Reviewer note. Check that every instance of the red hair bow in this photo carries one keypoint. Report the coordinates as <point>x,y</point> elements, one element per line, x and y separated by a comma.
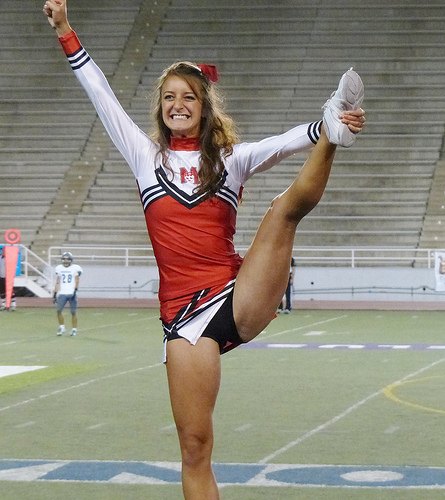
<point>210,71</point>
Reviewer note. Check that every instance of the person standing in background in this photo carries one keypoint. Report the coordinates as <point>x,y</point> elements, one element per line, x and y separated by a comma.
<point>65,291</point>
<point>286,304</point>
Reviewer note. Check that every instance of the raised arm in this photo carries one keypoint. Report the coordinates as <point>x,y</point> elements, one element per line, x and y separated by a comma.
<point>129,139</point>
<point>56,12</point>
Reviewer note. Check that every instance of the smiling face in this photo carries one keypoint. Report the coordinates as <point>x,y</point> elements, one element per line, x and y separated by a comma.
<point>181,108</point>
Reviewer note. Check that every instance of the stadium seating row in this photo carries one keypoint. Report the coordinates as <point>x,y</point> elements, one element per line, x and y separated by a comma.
<point>279,62</point>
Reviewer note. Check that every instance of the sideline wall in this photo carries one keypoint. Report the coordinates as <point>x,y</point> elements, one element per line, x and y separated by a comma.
<point>310,283</point>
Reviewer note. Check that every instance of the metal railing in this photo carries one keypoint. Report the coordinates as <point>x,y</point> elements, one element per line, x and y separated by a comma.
<point>120,255</point>
<point>306,256</point>
<point>35,268</point>
<point>41,271</point>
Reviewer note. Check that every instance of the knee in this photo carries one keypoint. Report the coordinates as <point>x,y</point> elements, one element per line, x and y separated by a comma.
<point>293,208</point>
<point>281,208</point>
<point>278,207</point>
<point>196,448</point>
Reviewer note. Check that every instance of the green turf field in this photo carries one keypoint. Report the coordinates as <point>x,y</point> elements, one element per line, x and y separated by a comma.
<point>355,395</point>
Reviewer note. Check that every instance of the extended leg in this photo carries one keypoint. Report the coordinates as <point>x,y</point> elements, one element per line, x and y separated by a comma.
<point>264,274</point>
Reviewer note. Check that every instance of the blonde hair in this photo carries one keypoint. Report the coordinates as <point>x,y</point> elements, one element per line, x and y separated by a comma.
<point>218,133</point>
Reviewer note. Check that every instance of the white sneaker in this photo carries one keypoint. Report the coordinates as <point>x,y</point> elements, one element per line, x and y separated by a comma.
<point>73,332</point>
<point>60,331</point>
<point>348,96</point>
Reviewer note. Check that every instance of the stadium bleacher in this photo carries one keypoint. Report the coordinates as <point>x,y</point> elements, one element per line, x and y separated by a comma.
<point>45,118</point>
<point>278,62</point>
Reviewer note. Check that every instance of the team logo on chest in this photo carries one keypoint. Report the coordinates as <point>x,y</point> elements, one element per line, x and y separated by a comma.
<point>189,176</point>
<point>182,191</point>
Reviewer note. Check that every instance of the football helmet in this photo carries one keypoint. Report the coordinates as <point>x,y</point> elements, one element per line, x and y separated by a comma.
<point>67,258</point>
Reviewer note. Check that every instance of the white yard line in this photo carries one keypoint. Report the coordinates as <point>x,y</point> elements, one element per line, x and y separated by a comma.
<point>303,327</point>
<point>77,386</point>
<point>93,328</point>
<point>340,416</point>
<point>6,371</point>
<point>119,324</point>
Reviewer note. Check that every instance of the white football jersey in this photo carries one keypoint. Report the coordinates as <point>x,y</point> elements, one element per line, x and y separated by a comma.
<point>67,278</point>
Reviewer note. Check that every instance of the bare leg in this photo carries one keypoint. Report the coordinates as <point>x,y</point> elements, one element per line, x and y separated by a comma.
<point>264,274</point>
<point>194,374</point>
<point>60,318</point>
<point>74,320</point>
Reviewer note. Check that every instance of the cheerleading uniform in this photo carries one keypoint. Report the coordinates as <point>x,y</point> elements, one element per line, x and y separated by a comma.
<point>191,234</point>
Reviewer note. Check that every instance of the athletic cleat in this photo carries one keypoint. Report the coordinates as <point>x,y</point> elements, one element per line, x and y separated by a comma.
<point>73,332</point>
<point>60,331</point>
<point>348,96</point>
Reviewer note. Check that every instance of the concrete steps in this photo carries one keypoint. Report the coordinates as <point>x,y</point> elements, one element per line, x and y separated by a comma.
<point>278,63</point>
